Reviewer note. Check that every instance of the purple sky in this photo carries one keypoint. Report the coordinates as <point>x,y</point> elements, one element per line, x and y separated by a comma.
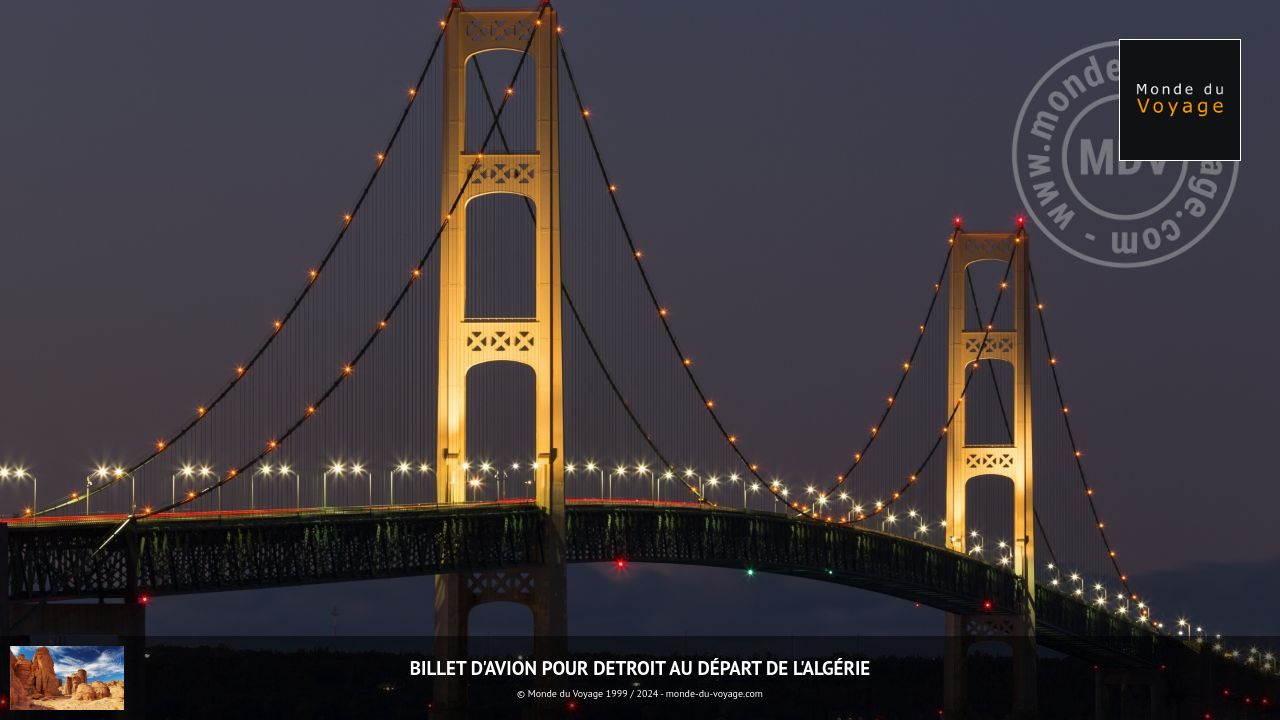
<point>148,148</point>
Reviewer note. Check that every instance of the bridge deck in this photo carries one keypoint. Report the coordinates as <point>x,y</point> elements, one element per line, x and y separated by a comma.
<point>199,552</point>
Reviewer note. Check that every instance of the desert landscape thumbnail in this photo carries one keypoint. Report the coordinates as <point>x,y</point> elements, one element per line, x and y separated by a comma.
<point>66,677</point>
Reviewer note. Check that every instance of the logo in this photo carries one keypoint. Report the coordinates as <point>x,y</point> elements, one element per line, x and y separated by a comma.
<point>1075,188</point>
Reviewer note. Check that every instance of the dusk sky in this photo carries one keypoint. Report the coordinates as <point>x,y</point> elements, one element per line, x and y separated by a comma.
<point>167,169</point>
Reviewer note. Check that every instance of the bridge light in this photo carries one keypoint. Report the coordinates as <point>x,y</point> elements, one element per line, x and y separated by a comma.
<point>403,467</point>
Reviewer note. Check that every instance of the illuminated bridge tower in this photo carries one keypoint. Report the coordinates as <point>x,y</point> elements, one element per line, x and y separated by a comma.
<point>466,342</point>
<point>966,461</point>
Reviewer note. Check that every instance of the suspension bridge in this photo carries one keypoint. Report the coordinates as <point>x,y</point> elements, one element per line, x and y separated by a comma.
<point>488,248</point>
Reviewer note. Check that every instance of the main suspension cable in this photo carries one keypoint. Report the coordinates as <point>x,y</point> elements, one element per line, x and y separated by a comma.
<point>1066,419</point>
<point>1018,238</point>
<point>1008,426</point>
<point>348,369</point>
<point>577,317</point>
<point>313,275</point>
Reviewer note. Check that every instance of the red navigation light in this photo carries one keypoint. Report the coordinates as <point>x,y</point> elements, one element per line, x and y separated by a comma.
<point>1021,221</point>
<point>144,599</point>
<point>956,221</point>
<point>620,563</point>
<point>571,706</point>
<point>987,605</point>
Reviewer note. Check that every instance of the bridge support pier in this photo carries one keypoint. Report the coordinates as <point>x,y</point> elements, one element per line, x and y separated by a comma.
<point>542,588</point>
<point>962,632</point>
<point>1123,694</point>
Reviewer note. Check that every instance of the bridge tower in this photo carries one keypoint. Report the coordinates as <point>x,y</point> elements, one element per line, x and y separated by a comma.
<point>966,461</point>
<point>466,342</point>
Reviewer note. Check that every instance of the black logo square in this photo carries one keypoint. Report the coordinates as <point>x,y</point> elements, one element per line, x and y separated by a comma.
<point>1179,100</point>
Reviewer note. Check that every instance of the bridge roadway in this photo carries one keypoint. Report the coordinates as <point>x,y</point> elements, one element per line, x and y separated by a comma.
<point>200,552</point>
